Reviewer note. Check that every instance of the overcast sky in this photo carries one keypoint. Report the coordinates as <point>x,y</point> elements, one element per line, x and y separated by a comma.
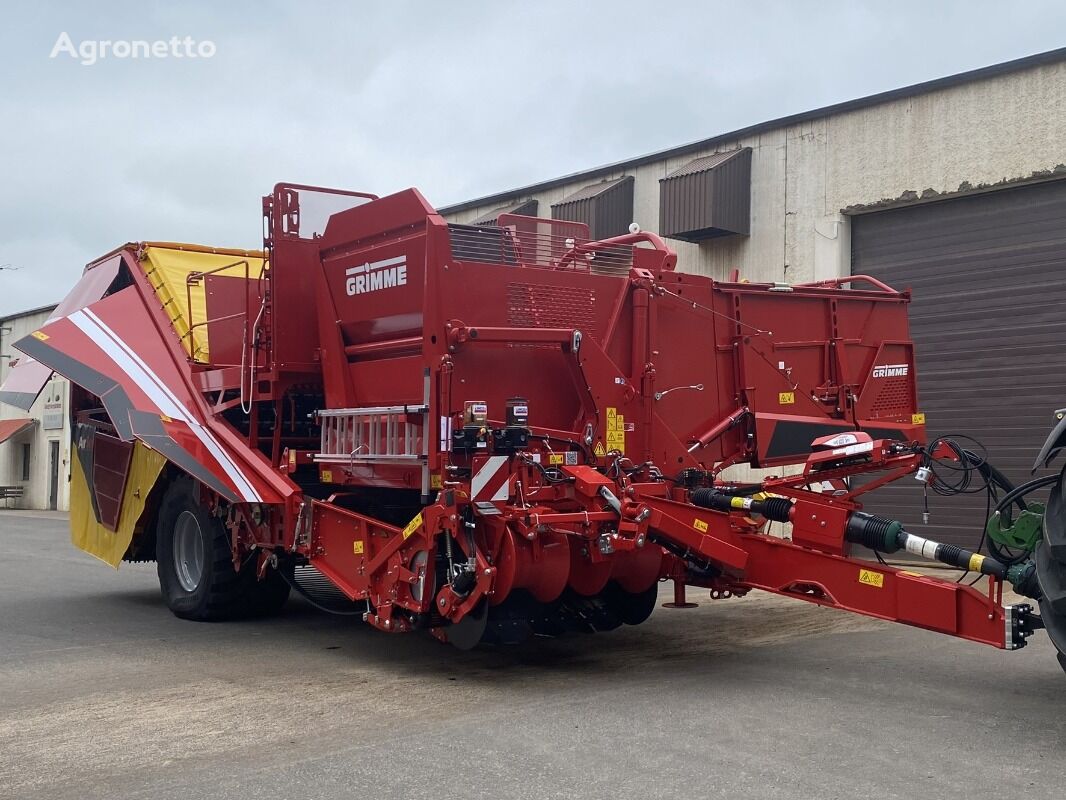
<point>459,99</point>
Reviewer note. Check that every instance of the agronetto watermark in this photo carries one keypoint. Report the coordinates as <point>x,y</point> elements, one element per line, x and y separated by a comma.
<point>91,51</point>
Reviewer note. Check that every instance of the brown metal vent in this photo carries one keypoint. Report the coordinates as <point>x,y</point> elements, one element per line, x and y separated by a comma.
<point>707,197</point>
<point>606,207</point>
<point>527,208</point>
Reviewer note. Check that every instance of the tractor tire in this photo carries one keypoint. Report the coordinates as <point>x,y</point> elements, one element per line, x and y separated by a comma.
<point>194,560</point>
<point>1050,558</point>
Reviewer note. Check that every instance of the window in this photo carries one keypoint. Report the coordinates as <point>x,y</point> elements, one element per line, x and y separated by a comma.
<point>25,462</point>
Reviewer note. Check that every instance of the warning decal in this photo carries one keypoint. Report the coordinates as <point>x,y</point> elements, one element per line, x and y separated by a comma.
<point>616,430</point>
<point>413,526</point>
<point>871,578</point>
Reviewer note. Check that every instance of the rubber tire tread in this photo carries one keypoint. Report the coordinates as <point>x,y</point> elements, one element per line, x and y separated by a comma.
<point>1050,559</point>
<point>222,593</point>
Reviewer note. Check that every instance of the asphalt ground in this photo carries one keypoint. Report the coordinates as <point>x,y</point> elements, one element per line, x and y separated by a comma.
<point>104,694</point>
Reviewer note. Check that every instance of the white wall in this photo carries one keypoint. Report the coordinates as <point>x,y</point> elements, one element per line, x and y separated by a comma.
<point>804,176</point>
<point>35,491</point>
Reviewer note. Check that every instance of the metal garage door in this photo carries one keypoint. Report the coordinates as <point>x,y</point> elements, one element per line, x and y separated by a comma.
<point>988,318</point>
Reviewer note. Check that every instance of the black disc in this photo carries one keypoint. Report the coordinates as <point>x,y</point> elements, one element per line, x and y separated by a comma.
<point>632,608</point>
<point>467,633</point>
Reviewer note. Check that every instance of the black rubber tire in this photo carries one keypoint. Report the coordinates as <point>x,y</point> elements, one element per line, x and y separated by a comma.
<point>1050,558</point>
<point>221,591</point>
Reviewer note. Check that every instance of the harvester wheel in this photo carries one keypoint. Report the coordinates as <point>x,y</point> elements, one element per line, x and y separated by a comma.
<point>194,562</point>
<point>1050,558</point>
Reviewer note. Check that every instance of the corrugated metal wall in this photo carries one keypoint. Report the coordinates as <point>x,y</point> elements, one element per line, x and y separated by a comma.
<point>988,319</point>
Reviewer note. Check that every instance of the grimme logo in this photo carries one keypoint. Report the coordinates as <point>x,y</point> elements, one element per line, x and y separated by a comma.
<point>376,275</point>
<point>891,371</point>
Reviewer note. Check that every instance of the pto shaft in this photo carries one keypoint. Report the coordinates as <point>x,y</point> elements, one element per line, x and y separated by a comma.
<point>888,536</point>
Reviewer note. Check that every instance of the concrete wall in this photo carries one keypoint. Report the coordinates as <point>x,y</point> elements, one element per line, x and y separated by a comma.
<point>36,489</point>
<point>807,177</point>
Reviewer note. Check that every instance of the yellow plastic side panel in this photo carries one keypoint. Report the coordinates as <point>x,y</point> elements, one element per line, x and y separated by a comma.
<point>92,537</point>
<point>168,268</point>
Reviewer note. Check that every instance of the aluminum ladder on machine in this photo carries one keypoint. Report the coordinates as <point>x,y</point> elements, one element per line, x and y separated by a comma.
<point>377,435</point>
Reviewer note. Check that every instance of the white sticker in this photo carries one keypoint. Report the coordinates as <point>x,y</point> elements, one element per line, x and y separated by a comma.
<point>864,447</point>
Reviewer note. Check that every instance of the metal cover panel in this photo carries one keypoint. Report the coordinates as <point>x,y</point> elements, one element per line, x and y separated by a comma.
<point>988,322</point>
<point>28,376</point>
<point>707,197</point>
<point>111,465</point>
<point>606,207</point>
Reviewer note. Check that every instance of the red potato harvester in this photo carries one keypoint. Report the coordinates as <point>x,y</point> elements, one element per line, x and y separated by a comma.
<point>493,432</point>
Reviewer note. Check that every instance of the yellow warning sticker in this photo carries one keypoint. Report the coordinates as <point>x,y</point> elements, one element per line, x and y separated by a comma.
<point>871,578</point>
<point>412,526</point>
<point>600,450</point>
<point>38,335</point>
<point>616,430</point>
<point>327,476</point>
<point>555,458</point>
<point>165,418</point>
<point>975,563</point>
<point>699,525</point>
<point>357,547</point>
<point>435,482</point>
<point>917,419</point>
<point>786,398</point>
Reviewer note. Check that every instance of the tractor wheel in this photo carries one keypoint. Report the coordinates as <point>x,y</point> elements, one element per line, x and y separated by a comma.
<point>195,564</point>
<point>1050,558</point>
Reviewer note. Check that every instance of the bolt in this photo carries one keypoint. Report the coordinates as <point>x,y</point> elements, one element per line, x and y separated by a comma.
<point>488,572</point>
<point>388,623</point>
<point>442,602</point>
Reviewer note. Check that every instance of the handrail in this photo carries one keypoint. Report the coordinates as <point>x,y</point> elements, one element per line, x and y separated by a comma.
<point>197,277</point>
<point>836,283</point>
<point>615,241</point>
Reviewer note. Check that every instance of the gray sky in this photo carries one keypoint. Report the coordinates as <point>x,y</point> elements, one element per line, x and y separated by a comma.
<point>459,99</point>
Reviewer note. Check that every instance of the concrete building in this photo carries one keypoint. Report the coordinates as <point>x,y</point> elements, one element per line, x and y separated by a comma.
<point>34,446</point>
<point>955,188</point>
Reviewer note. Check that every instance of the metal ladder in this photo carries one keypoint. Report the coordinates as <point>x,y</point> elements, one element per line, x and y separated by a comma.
<point>377,435</point>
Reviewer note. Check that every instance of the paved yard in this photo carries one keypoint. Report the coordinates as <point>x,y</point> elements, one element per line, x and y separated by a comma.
<point>103,694</point>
